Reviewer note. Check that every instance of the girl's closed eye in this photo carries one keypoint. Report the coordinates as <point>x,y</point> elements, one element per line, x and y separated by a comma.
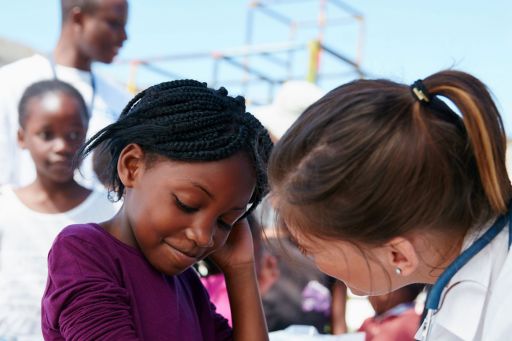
<point>184,207</point>
<point>224,225</point>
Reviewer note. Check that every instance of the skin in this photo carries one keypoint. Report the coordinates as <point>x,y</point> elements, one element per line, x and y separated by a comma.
<point>177,213</point>
<point>97,35</point>
<point>339,308</point>
<point>53,131</point>
<point>371,270</point>
<point>383,303</point>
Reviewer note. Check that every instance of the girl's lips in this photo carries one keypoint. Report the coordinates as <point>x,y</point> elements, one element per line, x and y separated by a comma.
<point>182,254</point>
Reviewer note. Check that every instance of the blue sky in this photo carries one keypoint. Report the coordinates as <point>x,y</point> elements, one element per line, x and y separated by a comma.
<point>403,40</point>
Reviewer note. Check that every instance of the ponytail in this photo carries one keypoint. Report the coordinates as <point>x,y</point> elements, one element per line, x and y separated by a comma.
<point>484,129</point>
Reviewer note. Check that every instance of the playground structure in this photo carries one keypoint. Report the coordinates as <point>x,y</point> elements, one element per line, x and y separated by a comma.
<point>309,51</point>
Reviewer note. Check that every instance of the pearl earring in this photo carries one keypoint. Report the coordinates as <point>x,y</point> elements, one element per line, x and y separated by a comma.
<point>398,271</point>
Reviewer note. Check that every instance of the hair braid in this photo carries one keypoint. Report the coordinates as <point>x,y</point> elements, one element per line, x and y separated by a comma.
<point>185,120</point>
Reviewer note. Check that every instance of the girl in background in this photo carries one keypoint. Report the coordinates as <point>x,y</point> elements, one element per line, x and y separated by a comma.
<point>53,123</point>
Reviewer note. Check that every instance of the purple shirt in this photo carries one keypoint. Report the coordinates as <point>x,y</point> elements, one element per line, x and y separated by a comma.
<point>102,289</point>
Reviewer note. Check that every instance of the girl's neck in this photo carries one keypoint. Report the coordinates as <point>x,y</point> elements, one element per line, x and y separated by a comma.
<point>119,227</point>
<point>50,197</point>
<point>67,54</point>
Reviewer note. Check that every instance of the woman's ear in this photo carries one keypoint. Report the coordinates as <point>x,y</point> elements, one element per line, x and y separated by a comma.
<point>130,164</point>
<point>401,256</point>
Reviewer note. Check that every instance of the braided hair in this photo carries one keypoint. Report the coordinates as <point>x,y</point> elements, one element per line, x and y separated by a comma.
<point>185,120</point>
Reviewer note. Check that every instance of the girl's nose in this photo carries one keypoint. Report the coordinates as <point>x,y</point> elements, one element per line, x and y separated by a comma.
<point>61,145</point>
<point>202,235</point>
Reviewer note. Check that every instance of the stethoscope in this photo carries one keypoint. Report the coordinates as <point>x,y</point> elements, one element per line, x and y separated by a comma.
<point>93,82</point>
<point>434,296</point>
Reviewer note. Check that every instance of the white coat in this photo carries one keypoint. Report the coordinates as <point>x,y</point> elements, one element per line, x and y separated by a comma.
<point>476,303</point>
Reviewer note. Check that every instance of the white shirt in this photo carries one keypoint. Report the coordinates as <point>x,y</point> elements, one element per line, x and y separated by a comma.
<point>476,303</point>
<point>25,239</point>
<point>109,100</point>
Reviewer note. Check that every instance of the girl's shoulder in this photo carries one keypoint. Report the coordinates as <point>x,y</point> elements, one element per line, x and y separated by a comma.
<point>87,244</point>
<point>89,233</point>
<point>93,237</point>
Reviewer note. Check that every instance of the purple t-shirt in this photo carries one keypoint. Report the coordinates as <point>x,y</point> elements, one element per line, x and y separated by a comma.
<point>102,289</point>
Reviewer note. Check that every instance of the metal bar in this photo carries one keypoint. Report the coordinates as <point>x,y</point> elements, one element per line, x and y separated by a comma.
<point>166,58</point>
<point>232,52</point>
<point>274,59</point>
<point>261,48</point>
<point>253,80</point>
<point>332,22</point>
<point>339,56</point>
<point>257,73</point>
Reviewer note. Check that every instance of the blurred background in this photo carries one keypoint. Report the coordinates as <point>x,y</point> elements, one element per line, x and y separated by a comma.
<point>252,47</point>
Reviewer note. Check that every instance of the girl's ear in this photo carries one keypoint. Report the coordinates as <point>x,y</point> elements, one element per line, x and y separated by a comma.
<point>401,254</point>
<point>21,138</point>
<point>130,164</point>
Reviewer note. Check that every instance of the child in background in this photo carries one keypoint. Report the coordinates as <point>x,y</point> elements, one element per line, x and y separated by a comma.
<point>190,165</point>
<point>53,123</point>
<point>385,185</point>
<point>395,316</point>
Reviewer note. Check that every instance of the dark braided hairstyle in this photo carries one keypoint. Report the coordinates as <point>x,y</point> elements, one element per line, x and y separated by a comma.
<point>187,121</point>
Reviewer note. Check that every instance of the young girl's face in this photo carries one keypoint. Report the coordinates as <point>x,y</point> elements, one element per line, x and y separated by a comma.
<point>53,131</point>
<point>179,212</point>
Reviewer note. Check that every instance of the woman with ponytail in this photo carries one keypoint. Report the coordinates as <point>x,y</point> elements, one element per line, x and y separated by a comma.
<point>385,185</point>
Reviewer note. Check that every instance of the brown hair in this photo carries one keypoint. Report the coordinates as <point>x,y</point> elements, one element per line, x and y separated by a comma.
<point>369,161</point>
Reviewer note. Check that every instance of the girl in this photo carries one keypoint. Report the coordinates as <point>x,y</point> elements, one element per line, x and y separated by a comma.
<point>53,123</point>
<point>384,185</point>
<point>189,163</point>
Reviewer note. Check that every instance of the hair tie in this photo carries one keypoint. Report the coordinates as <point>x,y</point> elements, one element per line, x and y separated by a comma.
<point>420,92</point>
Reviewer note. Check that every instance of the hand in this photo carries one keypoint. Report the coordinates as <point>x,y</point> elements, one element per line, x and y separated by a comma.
<point>238,252</point>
